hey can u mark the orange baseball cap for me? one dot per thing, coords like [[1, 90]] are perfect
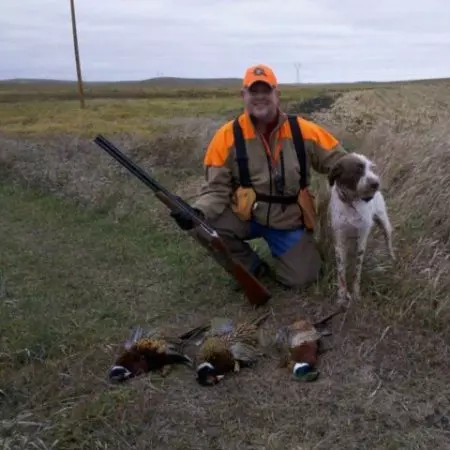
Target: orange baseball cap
[[259, 72]]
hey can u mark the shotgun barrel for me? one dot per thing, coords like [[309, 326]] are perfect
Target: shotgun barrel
[[256, 293]]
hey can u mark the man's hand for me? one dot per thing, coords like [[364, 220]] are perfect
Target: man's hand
[[183, 220]]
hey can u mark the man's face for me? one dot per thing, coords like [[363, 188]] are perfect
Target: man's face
[[261, 101]]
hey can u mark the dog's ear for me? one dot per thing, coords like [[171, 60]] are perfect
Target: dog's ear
[[334, 173]]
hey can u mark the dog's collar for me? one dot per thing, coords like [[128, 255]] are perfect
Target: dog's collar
[[343, 195]]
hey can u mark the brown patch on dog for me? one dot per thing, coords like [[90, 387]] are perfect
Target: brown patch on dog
[[347, 172]]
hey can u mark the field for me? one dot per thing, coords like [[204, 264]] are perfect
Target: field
[[87, 253]]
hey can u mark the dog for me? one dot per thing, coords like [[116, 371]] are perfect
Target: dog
[[356, 204]]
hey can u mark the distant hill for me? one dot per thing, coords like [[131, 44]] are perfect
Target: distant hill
[[176, 82], [35, 81], [192, 82], [156, 82], [161, 82], [32, 88]]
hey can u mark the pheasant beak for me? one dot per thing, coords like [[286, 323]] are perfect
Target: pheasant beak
[[211, 380], [206, 375], [214, 379], [119, 373]]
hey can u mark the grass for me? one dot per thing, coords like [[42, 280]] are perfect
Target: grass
[[108, 116], [87, 253], [159, 88], [138, 116]]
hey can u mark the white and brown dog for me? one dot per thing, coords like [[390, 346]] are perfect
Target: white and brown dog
[[356, 203]]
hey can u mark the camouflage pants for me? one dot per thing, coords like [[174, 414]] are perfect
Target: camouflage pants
[[297, 262]]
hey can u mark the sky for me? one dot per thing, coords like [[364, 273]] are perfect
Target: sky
[[333, 41]]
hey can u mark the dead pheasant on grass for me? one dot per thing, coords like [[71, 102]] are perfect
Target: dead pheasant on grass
[[226, 348], [151, 352], [299, 347]]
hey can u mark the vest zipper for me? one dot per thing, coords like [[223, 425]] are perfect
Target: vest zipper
[[269, 164]]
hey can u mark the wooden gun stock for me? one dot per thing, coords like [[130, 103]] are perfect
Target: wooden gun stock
[[256, 293]]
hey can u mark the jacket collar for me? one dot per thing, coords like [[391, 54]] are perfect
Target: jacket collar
[[281, 118]]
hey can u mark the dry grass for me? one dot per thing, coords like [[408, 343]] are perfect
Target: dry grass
[[77, 275], [408, 137], [140, 117]]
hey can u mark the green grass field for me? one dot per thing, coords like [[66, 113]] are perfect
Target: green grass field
[[87, 253]]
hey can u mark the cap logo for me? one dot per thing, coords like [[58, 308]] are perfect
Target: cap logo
[[259, 71]]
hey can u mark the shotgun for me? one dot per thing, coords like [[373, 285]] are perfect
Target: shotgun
[[256, 293]]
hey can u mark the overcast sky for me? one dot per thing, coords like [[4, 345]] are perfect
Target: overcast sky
[[344, 40]]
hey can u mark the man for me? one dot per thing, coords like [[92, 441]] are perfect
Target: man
[[253, 182]]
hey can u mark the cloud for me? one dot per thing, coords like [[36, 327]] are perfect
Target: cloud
[[334, 41]]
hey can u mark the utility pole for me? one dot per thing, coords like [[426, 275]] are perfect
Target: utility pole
[[297, 68], [77, 55]]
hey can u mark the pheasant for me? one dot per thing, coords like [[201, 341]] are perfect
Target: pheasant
[[298, 344], [227, 347], [143, 354]]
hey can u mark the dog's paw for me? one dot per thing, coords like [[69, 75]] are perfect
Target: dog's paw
[[391, 251]]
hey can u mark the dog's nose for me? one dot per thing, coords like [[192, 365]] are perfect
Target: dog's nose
[[374, 185]]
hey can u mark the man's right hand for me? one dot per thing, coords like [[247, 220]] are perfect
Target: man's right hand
[[183, 220]]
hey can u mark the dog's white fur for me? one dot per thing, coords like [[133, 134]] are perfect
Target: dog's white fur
[[352, 217]]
